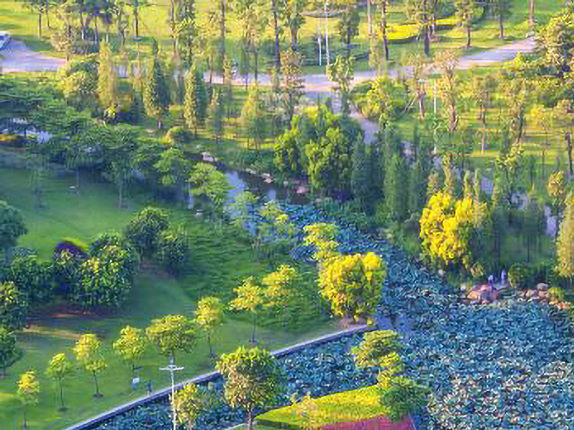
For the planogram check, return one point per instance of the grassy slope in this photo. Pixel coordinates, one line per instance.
(219, 262)
(348, 406)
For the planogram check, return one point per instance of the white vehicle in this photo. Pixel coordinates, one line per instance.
(4, 39)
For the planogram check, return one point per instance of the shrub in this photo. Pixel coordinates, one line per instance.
(173, 252)
(400, 396)
(519, 276)
(34, 276)
(66, 271)
(144, 229)
(72, 245)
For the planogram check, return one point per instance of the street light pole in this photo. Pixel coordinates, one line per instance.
(171, 369)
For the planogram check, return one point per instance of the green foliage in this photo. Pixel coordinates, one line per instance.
(209, 316)
(322, 236)
(131, 345)
(58, 369)
(35, 276)
(518, 276)
(171, 334)
(9, 351)
(400, 396)
(156, 97)
(195, 101)
(210, 185)
(11, 227)
(253, 118)
(107, 82)
(352, 284)
(13, 306)
(88, 351)
(28, 388)
(173, 252)
(565, 243)
(396, 194)
(384, 100)
(188, 404)
(144, 229)
(558, 42)
(376, 347)
(251, 379)
(249, 298)
(216, 116)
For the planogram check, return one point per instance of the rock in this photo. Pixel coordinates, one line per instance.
(531, 294)
(542, 287)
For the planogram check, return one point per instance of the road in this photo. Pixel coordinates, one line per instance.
(17, 57)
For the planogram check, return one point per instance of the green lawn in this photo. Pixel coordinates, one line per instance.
(22, 22)
(219, 261)
(342, 407)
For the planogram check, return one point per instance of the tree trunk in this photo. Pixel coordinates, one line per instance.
(82, 26)
(421, 105)
(369, 24)
(40, 24)
(294, 38)
(568, 138)
(136, 18)
(250, 419)
(501, 25)
(97, 393)
(61, 394)
(277, 45)
(24, 424)
(222, 30)
(531, 12)
(48, 13)
(211, 354)
(254, 326)
(426, 41)
(384, 30)
(349, 41)
(468, 36)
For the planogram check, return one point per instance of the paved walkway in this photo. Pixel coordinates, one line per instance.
(17, 57)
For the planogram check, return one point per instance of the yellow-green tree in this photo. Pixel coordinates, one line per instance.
(322, 236)
(130, 346)
(379, 349)
(88, 352)
(446, 227)
(565, 243)
(58, 368)
(28, 391)
(352, 284)
(188, 404)
(249, 298)
(209, 316)
(171, 334)
(281, 289)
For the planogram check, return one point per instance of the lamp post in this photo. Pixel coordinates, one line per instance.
(171, 369)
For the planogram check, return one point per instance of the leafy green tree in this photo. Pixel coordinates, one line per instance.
(88, 351)
(28, 391)
(210, 185)
(322, 236)
(448, 85)
(557, 42)
(465, 17)
(502, 9)
(281, 288)
(341, 73)
(12, 226)
(35, 275)
(421, 13)
(542, 118)
(565, 243)
(215, 117)
(174, 169)
(400, 396)
(534, 224)
(563, 116)
(188, 404)
(241, 209)
(351, 283)
(173, 251)
(171, 334)
(58, 369)
(482, 90)
(9, 351)
(253, 118)
(195, 101)
(360, 178)
(396, 194)
(13, 306)
(249, 298)
(385, 99)
(417, 192)
(107, 82)
(293, 18)
(348, 25)
(379, 349)
(292, 82)
(209, 316)
(558, 192)
(130, 346)
(289, 157)
(251, 380)
(144, 229)
(384, 27)
(156, 97)
(185, 30)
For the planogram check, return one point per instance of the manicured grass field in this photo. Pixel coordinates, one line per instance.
(22, 22)
(343, 407)
(219, 261)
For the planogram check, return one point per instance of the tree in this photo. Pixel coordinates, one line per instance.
(565, 243)
(251, 380)
(28, 391)
(292, 13)
(215, 116)
(173, 252)
(58, 369)
(378, 349)
(195, 100)
(400, 396)
(557, 43)
(360, 178)
(242, 208)
(210, 185)
(88, 351)
(341, 73)
(446, 227)
(209, 316)
(385, 99)
(9, 351)
(174, 169)
(352, 284)
(421, 12)
(558, 192)
(249, 298)
(542, 118)
(563, 115)
(534, 223)
(417, 191)
(188, 405)
(107, 82)
(396, 194)
(155, 92)
(292, 82)
(130, 346)
(348, 25)
(502, 9)
(322, 236)
(136, 6)
(13, 306)
(482, 89)
(171, 334)
(448, 85)
(253, 118)
(465, 17)
(11, 228)
(281, 287)
(144, 229)
(185, 30)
